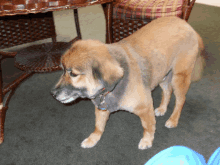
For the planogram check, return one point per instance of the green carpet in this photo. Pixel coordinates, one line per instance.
(41, 131)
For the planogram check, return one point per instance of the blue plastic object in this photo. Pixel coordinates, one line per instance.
(181, 155)
(215, 158)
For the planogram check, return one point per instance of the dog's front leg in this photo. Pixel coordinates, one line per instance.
(100, 122)
(146, 114)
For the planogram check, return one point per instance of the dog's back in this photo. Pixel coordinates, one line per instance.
(163, 42)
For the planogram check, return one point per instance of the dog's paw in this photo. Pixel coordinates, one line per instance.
(91, 141)
(144, 144)
(171, 123)
(160, 111)
(88, 143)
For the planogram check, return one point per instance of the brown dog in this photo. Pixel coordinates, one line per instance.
(122, 75)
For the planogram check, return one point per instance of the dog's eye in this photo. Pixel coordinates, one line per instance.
(73, 74)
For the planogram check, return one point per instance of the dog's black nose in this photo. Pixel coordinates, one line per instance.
(53, 92)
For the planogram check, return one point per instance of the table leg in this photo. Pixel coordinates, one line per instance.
(77, 23)
(2, 111)
(2, 121)
(108, 10)
(9, 88)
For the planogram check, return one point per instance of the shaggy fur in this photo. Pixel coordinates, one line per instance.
(121, 76)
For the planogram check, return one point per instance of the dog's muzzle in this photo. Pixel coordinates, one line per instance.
(65, 95)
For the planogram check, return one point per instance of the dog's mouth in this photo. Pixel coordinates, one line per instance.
(67, 100)
(64, 96)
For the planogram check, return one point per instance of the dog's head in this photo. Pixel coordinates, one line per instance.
(88, 68)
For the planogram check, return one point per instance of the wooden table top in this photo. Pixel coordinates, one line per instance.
(14, 7)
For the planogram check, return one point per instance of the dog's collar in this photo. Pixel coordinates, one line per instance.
(99, 99)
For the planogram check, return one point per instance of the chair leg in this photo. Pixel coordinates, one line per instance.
(187, 8)
(108, 11)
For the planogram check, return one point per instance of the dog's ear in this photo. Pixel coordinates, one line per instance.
(109, 72)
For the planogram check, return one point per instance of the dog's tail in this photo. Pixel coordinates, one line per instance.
(200, 61)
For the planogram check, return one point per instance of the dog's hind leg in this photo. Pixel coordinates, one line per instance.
(100, 122)
(166, 94)
(181, 80)
(180, 83)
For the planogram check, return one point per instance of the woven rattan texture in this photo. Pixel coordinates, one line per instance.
(123, 28)
(12, 7)
(41, 58)
(147, 9)
(20, 29)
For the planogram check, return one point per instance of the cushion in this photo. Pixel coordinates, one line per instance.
(147, 9)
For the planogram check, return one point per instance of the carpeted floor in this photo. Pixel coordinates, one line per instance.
(41, 131)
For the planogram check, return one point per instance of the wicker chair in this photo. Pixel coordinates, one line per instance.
(131, 15)
(19, 29)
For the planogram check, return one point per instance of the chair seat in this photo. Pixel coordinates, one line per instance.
(147, 9)
(41, 58)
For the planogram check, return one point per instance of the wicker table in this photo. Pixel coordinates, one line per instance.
(15, 7)
(23, 7)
